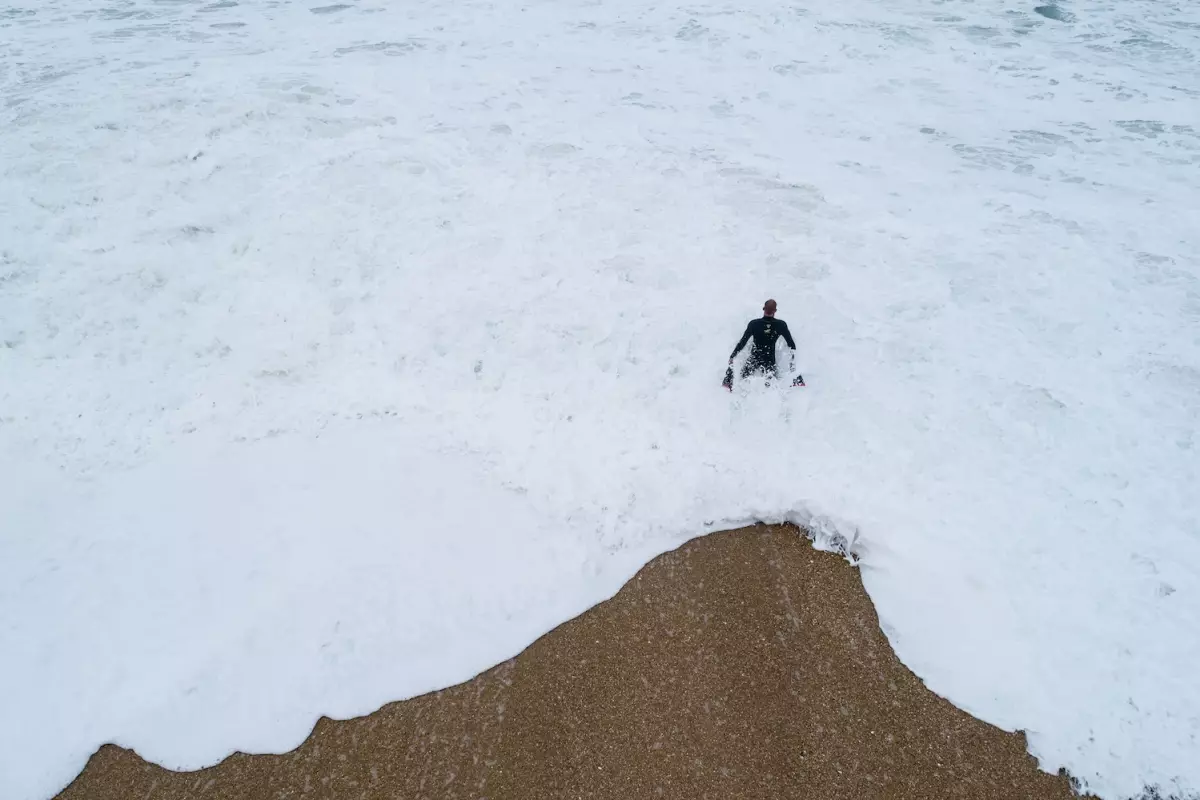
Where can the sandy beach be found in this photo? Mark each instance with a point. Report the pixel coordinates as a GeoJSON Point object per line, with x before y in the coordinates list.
{"type": "Point", "coordinates": [745, 664]}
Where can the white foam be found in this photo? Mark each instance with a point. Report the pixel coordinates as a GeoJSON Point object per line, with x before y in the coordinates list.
{"type": "Point", "coordinates": [346, 350]}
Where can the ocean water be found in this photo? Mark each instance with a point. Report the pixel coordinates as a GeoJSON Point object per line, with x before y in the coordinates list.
{"type": "Point", "coordinates": [345, 348]}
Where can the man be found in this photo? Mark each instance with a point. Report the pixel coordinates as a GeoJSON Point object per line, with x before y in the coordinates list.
{"type": "Point", "coordinates": [765, 331]}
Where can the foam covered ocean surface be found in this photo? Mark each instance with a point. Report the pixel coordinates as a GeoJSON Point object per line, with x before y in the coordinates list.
{"type": "Point", "coordinates": [348, 347]}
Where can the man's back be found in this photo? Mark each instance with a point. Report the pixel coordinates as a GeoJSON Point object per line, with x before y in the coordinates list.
{"type": "Point", "coordinates": [765, 331]}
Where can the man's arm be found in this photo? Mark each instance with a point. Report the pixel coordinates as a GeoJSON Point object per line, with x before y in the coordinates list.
{"type": "Point", "coordinates": [787, 335]}
{"type": "Point", "coordinates": [745, 338]}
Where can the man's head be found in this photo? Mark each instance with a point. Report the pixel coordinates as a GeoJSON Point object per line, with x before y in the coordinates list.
{"type": "Point", "coordinates": [769, 308]}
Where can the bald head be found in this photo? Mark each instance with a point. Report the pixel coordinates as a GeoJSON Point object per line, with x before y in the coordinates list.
{"type": "Point", "coordinates": [769, 308]}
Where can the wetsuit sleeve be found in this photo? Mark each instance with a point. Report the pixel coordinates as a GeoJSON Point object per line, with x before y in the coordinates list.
{"type": "Point", "coordinates": [742, 343]}
{"type": "Point", "coordinates": [787, 335]}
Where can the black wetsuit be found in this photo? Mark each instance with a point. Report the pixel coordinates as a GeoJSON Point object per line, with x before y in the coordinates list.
{"type": "Point", "coordinates": [765, 331]}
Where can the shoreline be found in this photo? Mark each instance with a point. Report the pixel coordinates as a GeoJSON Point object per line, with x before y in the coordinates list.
{"type": "Point", "coordinates": [742, 664]}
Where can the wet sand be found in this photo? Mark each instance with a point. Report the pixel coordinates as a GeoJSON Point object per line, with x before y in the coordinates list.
{"type": "Point", "coordinates": [743, 665]}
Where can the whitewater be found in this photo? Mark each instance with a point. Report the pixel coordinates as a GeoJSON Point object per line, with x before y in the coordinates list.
{"type": "Point", "coordinates": [348, 347]}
